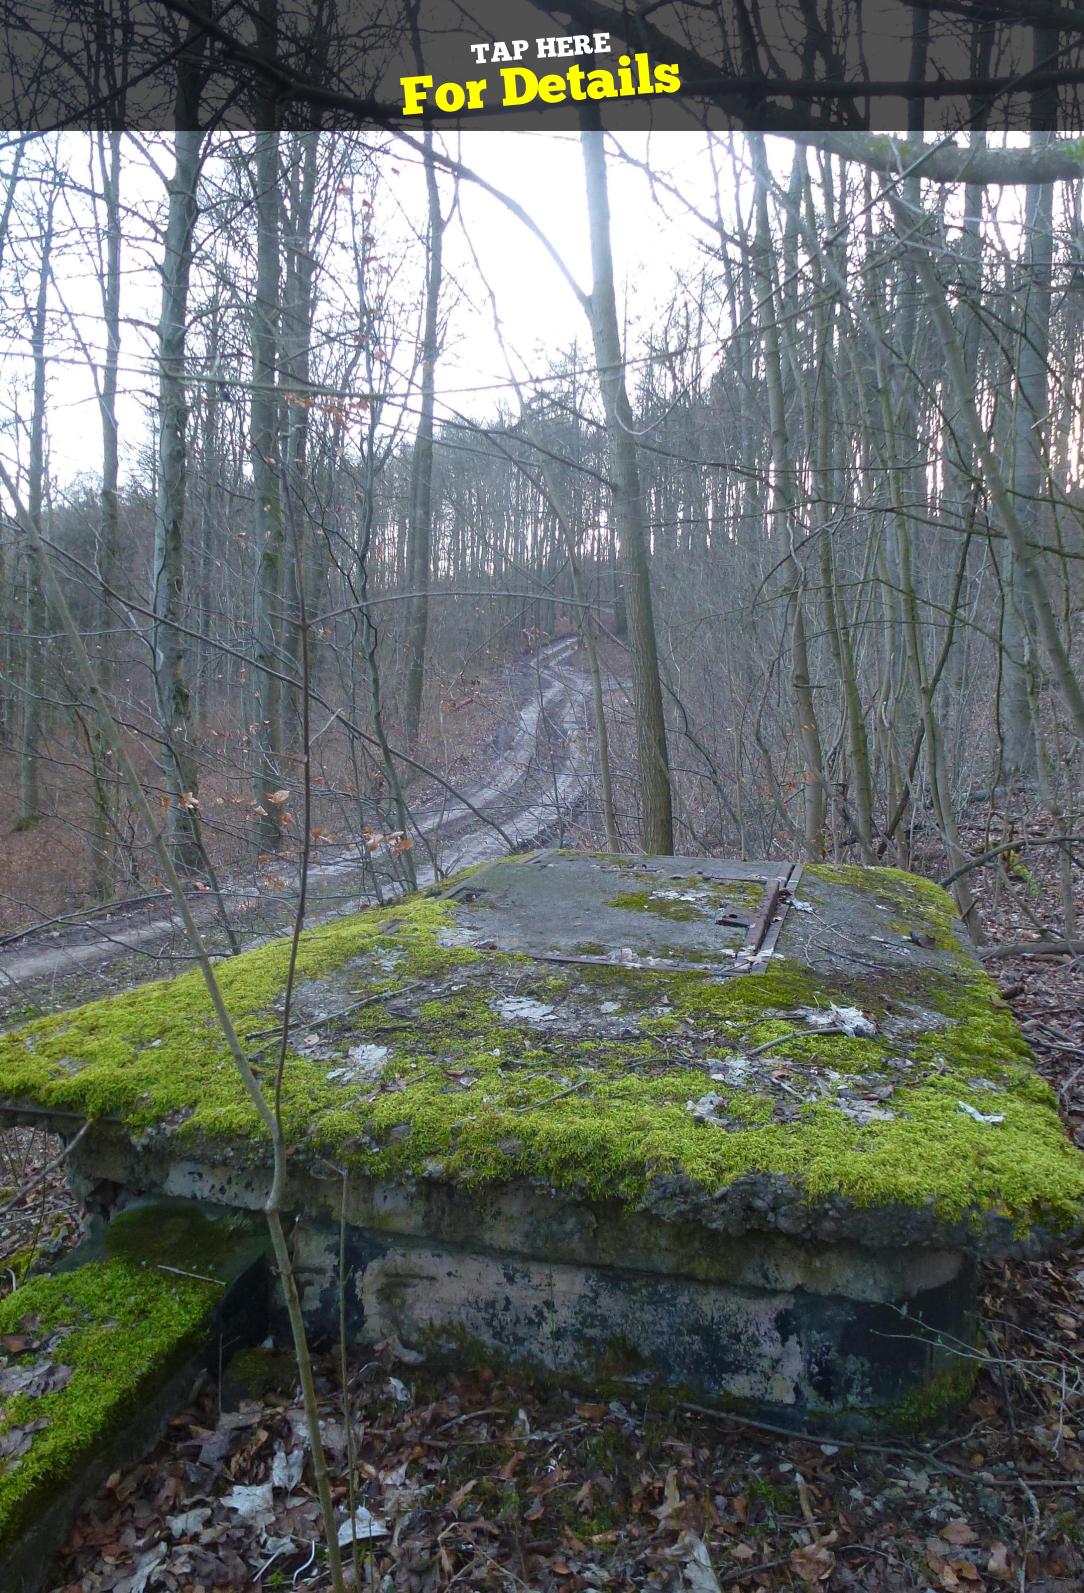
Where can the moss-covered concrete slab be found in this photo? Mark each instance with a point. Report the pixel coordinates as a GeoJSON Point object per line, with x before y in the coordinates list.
{"type": "Point", "coordinates": [755, 1126]}
{"type": "Point", "coordinates": [95, 1358]}
{"type": "Point", "coordinates": [439, 1043]}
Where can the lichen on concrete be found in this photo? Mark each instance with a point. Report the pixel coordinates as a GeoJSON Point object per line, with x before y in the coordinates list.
{"type": "Point", "coordinates": [579, 1073]}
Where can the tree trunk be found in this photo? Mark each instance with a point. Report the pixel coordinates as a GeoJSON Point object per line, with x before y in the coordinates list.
{"type": "Point", "coordinates": [178, 765]}
{"type": "Point", "coordinates": [267, 500]}
{"type": "Point", "coordinates": [627, 507]}
{"type": "Point", "coordinates": [101, 828]}
{"type": "Point", "coordinates": [1030, 432]}
{"type": "Point", "coordinates": [814, 784]}
{"type": "Point", "coordinates": [36, 614]}
{"type": "Point", "coordinates": [419, 556]}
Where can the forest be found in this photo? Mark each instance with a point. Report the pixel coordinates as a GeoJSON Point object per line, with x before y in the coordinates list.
{"type": "Point", "coordinates": [816, 523]}
{"type": "Point", "coordinates": [378, 501]}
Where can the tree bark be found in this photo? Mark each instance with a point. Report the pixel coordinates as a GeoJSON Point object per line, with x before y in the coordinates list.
{"type": "Point", "coordinates": [102, 831]}
{"type": "Point", "coordinates": [1030, 433]}
{"type": "Point", "coordinates": [814, 783]}
{"type": "Point", "coordinates": [657, 820]}
{"type": "Point", "coordinates": [35, 609]}
{"type": "Point", "coordinates": [419, 556]}
{"type": "Point", "coordinates": [180, 774]}
{"type": "Point", "coordinates": [267, 500]}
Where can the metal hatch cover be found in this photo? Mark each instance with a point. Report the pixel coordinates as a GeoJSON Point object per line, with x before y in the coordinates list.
{"type": "Point", "coordinates": [679, 913]}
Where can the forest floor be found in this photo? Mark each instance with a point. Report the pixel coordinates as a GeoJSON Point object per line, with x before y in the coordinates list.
{"type": "Point", "coordinates": [488, 1482]}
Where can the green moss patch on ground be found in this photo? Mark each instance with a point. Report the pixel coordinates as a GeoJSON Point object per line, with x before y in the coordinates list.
{"type": "Point", "coordinates": [477, 1066]}
{"type": "Point", "coordinates": [80, 1349]}
{"type": "Point", "coordinates": [689, 898]}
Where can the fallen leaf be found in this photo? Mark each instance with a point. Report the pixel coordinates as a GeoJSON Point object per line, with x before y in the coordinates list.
{"type": "Point", "coordinates": [146, 1566]}
{"type": "Point", "coordinates": [253, 1503]}
{"type": "Point", "coordinates": [15, 1441]}
{"type": "Point", "coordinates": [964, 1569]}
{"type": "Point", "coordinates": [462, 1493]}
{"type": "Point", "coordinates": [188, 1522]}
{"type": "Point", "coordinates": [40, 1377]}
{"type": "Point", "coordinates": [998, 1565]}
{"type": "Point", "coordinates": [943, 1571]}
{"type": "Point", "coordinates": [671, 1498]}
{"type": "Point", "coordinates": [286, 1468]}
{"type": "Point", "coordinates": [361, 1527]}
{"type": "Point", "coordinates": [698, 1574]}
{"type": "Point", "coordinates": [813, 1563]}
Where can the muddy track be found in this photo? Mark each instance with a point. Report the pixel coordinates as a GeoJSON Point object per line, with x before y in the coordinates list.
{"type": "Point", "coordinates": [537, 778]}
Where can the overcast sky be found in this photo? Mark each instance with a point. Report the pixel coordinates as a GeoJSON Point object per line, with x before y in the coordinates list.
{"type": "Point", "coordinates": [655, 237]}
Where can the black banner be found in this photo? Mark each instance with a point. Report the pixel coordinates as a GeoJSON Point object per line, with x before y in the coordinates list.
{"type": "Point", "coordinates": [818, 65]}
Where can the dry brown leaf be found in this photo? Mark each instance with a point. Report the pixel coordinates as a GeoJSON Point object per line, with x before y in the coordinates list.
{"type": "Point", "coordinates": [814, 1563]}
{"type": "Point", "coordinates": [998, 1565]}
{"type": "Point", "coordinates": [671, 1498]}
{"type": "Point", "coordinates": [959, 1532]}
{"type": "Point", "coordinates": [943, 1571]}
{"type": "Point", "coordinates": [461, 1493]}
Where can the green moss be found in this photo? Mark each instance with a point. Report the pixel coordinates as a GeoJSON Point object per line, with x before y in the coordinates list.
{"type": "Point", "coordinates": [19, 1264]}
{"type": "Point", "coordinates": [942, 1395]}
{"type": "Point", "coordinates": [123, 1325]}
{"type": "Point", "coordinates": [778, 1498]}
{"type": "Point", "coordinates": [254, 1373]}
{"type": "Point", "coordinates": [158, 1051]}
{"type": "Point", "coordinates": [661, 906]}
{"type": "Point", "coordinates": [919, 903]}
{"type": "Point", "coordinates": [474, 1097]}
{"type": "Point", "coordinates": [664, 899]}
{"type": "Point", "coordinates": [193, 1241]}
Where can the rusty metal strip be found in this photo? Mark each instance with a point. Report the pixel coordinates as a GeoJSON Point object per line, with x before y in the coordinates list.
{"type": "Point", "coordinates": [645, 964]}
{"type": "Point", "coordinates": [773, 886]}
{"type": "Point", "coordinates": [783, 898]}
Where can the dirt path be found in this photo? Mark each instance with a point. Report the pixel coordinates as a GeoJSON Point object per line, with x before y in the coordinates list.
{"type": "Point", "coordinates": [540, 776]}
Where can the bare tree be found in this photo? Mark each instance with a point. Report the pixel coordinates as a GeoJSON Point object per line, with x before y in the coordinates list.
{"type": "Point", "coordinates": [657, 821]}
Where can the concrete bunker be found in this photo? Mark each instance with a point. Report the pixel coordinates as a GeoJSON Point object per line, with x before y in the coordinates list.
{"type": "Point", "coordinates": [736, 1130]}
